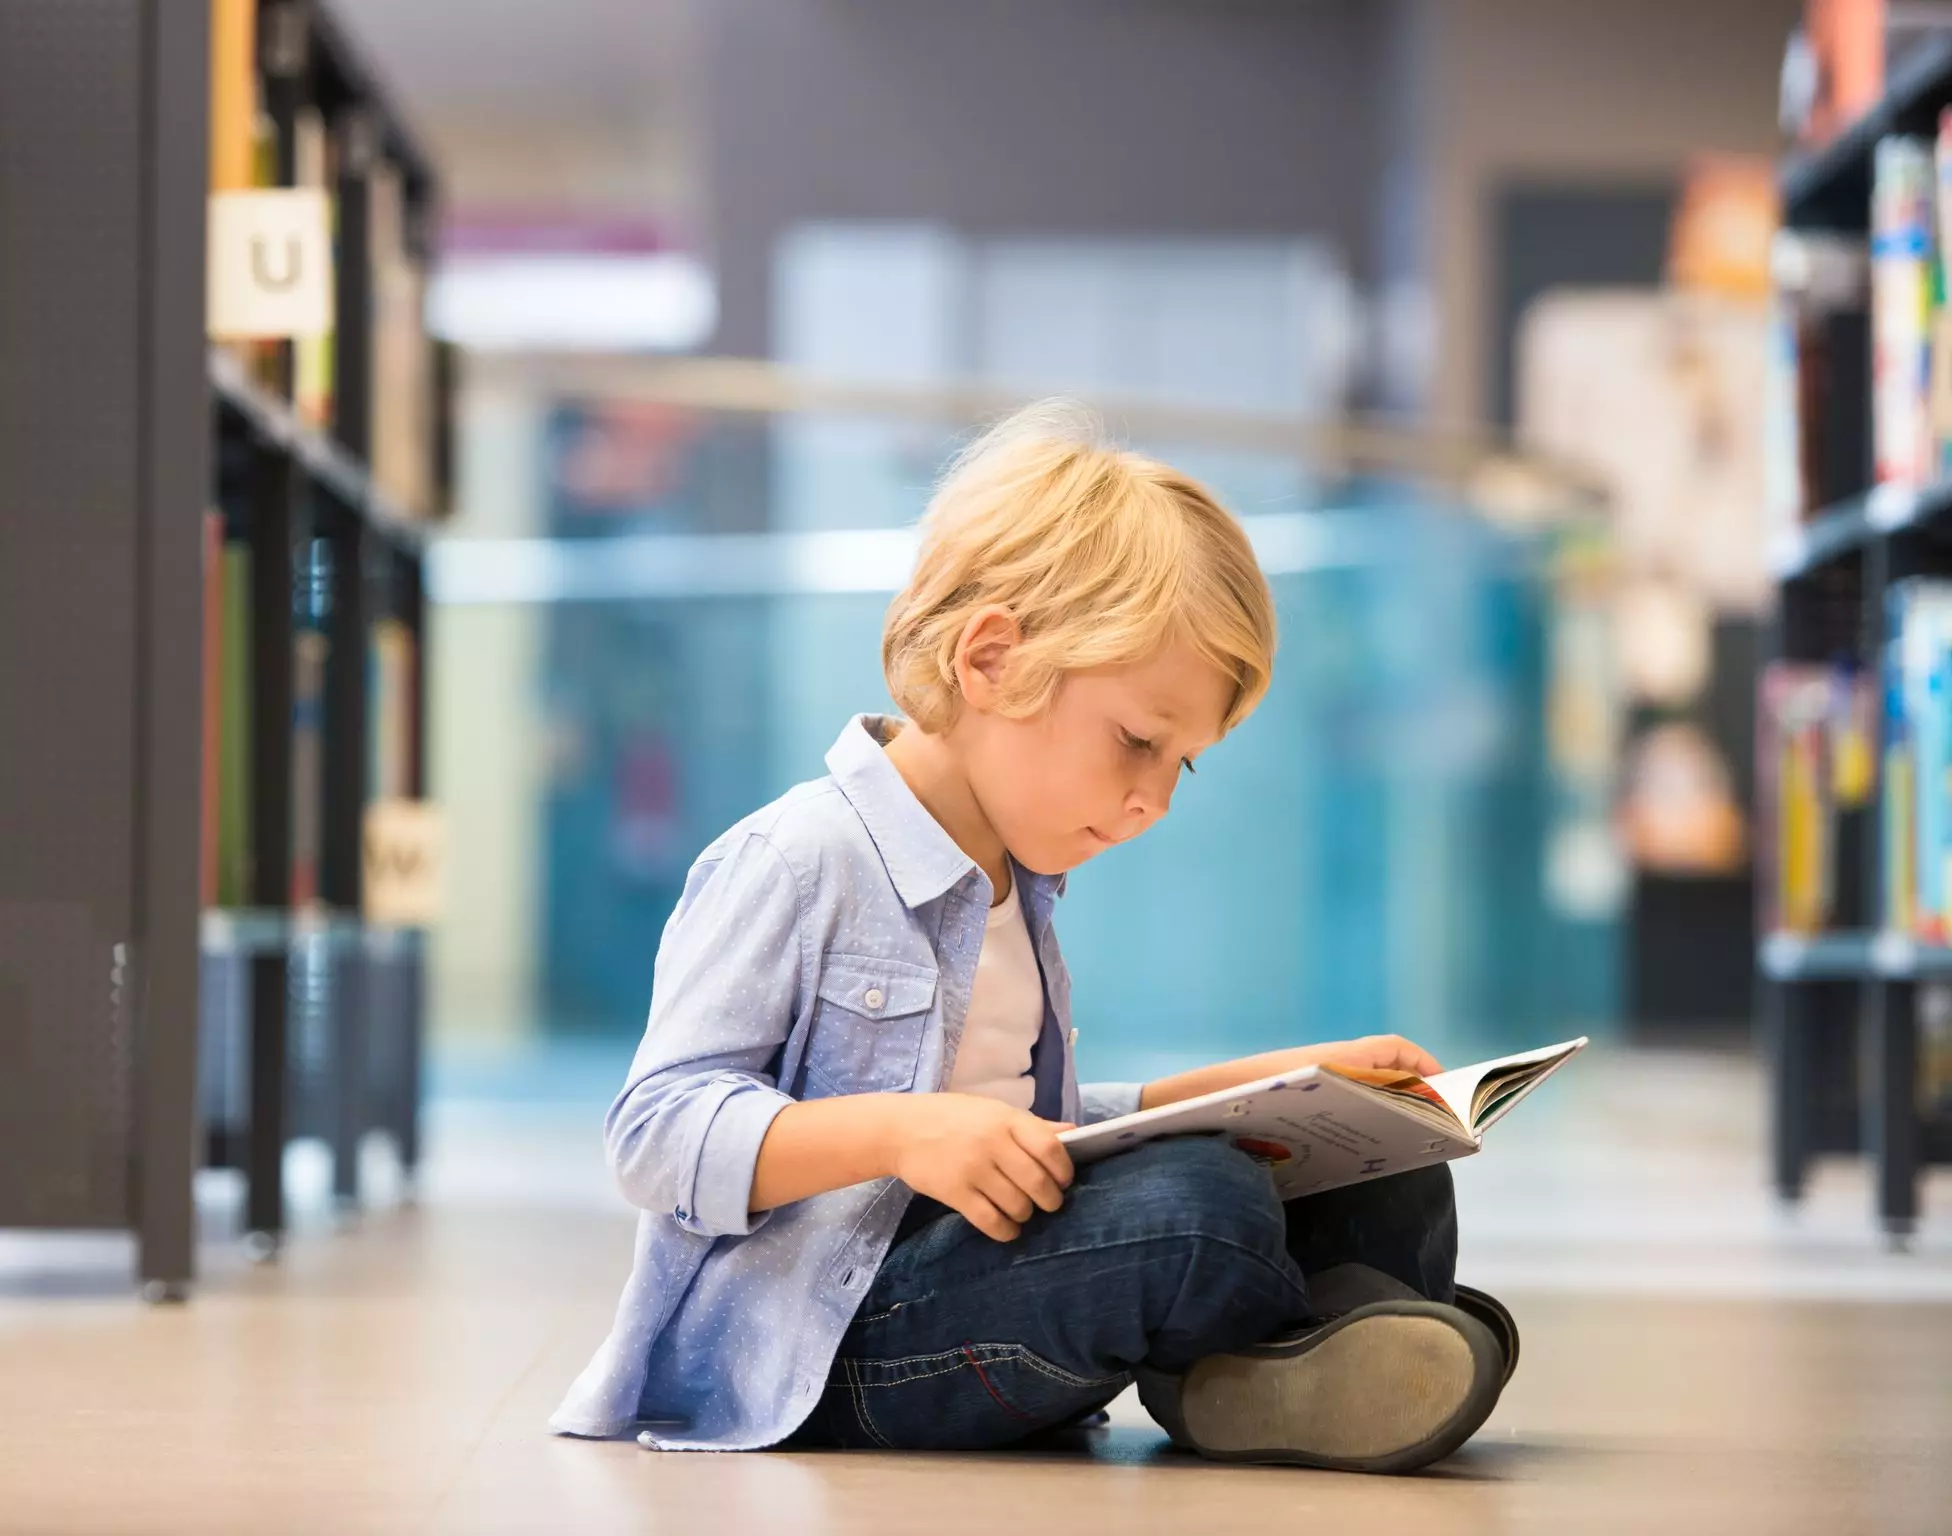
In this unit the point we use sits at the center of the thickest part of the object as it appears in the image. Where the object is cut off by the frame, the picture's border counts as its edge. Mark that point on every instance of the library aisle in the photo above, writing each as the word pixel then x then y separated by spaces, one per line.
pixel 1694 1362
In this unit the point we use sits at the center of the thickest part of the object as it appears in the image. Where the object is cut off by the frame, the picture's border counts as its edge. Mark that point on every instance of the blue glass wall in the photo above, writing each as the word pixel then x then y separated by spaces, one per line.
pixel 1365 854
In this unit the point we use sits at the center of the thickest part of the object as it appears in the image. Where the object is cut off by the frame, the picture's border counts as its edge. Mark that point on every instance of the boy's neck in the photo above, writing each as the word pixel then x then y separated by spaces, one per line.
pixel 929 768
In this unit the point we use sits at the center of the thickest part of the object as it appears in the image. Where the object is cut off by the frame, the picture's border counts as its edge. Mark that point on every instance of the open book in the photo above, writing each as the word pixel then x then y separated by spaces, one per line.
pixel 1321 1127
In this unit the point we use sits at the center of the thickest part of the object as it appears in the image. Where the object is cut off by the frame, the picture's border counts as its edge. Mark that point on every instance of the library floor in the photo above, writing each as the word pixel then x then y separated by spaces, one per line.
pixel 1695 1360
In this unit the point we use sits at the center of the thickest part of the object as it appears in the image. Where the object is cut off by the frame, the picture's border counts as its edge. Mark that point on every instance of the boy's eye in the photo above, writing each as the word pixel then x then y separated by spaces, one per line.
pixel 1149 748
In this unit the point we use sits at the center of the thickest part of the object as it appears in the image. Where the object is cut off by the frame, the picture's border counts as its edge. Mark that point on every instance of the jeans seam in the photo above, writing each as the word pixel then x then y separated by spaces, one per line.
pixel 969 1353
pixel 954 1365
pixel 1057 1373
pixel 952 1360
pixel 890 1310
pixel 861 1409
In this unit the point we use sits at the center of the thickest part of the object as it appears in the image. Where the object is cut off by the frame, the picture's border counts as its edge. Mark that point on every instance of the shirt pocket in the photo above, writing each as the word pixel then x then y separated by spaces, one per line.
pixel 868 1023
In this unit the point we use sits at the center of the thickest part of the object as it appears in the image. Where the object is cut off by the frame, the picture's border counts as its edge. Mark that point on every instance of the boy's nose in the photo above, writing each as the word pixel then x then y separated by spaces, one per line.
pixel 1148 802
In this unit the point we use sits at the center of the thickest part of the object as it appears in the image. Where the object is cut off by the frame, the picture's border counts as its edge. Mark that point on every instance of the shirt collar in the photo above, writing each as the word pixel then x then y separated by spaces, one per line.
pixel 922 860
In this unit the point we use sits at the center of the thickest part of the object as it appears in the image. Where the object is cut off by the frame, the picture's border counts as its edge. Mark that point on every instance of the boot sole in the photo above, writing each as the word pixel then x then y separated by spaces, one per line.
pixel 1496 1316
pixel 1387 1388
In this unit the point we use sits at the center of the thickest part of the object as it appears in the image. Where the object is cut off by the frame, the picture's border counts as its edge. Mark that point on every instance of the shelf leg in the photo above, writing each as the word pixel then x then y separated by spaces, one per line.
pixel 349 1069
pixel 412 1052
pixel 264 1148
pixel 1786 1021
pixel 1891 1108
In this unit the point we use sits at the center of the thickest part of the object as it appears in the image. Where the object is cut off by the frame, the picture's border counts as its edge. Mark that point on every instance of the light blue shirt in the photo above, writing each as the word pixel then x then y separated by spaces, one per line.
pixel 825 945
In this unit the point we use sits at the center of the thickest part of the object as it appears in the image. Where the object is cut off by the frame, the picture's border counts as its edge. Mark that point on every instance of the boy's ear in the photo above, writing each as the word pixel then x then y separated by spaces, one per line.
pixel 983 653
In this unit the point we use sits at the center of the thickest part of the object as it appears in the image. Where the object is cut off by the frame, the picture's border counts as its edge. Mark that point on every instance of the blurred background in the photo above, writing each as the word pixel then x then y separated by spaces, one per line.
pixel 1443 216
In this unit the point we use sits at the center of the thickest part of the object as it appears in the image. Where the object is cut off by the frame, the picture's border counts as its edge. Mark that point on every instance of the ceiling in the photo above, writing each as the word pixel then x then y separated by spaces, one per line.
pixel 569 105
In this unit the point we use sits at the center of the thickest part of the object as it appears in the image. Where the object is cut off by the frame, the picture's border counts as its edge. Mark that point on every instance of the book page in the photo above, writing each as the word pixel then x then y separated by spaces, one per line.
pixel 1483 1094
pixel 1407 1090
pixel 1312 1129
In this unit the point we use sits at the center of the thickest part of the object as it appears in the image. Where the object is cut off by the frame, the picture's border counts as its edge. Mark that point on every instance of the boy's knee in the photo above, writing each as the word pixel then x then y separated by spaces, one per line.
pixel 1423 1197
pixel 1216 1273
pixel 1200 1188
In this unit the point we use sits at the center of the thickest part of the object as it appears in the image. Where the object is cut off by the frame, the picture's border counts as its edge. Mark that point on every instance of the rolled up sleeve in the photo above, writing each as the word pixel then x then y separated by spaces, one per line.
pixel 1107 1101
pixel 684 1135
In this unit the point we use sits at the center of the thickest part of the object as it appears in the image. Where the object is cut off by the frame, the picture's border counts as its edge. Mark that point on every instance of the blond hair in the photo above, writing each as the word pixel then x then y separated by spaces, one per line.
pixel 1102 556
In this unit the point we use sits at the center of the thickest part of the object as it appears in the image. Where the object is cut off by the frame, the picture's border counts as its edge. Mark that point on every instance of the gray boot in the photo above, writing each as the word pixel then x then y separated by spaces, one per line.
pixel 1391 1385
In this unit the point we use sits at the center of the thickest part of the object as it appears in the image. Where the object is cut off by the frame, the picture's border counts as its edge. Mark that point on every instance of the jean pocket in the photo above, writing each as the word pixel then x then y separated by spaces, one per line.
pixel 869 1020
pixel 965 1399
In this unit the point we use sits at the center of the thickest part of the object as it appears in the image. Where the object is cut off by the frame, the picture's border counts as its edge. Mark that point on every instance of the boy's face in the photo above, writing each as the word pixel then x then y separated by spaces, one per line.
pixel 1100 764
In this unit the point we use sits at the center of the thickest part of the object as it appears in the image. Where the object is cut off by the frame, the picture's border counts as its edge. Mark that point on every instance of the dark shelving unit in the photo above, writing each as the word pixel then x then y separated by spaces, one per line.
pixel 1839 1009
pixel 119 426
pixel 1845 528
pixel 104 469
pixel 323 1060
pixel 1830 188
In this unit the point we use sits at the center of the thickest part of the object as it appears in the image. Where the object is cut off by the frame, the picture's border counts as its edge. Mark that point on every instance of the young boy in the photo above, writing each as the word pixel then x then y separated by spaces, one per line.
pixel 842 1125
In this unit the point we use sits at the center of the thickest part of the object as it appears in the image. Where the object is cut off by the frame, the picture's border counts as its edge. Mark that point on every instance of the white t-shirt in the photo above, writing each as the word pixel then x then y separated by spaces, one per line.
pixel 1006 1012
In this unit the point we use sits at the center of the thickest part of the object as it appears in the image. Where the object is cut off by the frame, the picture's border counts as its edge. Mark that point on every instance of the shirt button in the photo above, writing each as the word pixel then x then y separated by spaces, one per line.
pixel 875 997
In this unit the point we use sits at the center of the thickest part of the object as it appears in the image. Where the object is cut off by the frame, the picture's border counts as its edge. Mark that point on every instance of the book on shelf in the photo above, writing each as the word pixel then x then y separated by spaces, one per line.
pixel 234 872
pixel 1319 1128
pixel 315 164
pixel 1821 288
pixel 401 432
pixel 234 119
pixel 233 94
pixel 1904 256
pixel 264 123
pixel 1916 840
pixel 1829 738
pixel 311 653
pixel 1818 308
pixel 390 694
pixel 1815 764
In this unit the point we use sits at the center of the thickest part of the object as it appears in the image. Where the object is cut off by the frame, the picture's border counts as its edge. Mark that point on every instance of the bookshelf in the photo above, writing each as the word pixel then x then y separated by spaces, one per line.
pixel 210 616
pixel 1830 187
pixel 1843 993
pixel 1844 528
pixel 316 484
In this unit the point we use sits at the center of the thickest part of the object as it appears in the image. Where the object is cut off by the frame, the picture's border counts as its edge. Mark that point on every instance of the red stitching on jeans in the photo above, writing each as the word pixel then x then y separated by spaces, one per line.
pixel 969 1354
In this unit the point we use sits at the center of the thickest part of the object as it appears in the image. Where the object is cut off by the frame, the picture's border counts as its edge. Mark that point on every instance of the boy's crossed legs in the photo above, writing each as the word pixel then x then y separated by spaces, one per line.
pixel 1167 1256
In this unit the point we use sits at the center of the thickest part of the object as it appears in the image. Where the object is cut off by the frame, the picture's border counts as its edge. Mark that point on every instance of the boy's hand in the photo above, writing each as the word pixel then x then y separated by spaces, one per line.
pixel 1385 1053
pixel 993 1164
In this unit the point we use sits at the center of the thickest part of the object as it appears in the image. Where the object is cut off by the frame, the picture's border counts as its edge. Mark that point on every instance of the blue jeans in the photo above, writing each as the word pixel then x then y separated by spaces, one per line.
pixel 1159 1256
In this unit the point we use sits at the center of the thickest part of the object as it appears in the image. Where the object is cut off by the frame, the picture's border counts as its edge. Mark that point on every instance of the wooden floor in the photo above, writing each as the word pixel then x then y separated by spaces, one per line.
pixel 1693 1362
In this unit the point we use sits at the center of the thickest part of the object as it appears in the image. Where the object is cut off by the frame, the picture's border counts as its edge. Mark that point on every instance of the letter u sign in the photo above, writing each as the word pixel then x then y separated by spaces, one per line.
pixel 277 267
pixel 270 264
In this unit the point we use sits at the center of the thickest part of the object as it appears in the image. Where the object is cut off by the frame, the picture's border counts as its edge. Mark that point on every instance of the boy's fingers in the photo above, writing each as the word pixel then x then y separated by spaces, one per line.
pixel 982 1214
pixel 1409 1056
pixel 1005 1194
pixel 1423 1062
pixel 1030 1176
pixel 1039 1139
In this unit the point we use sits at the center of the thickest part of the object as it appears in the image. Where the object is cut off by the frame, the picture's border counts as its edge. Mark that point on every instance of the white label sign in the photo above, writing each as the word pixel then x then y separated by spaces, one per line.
pixel 270 264
pixel 403 849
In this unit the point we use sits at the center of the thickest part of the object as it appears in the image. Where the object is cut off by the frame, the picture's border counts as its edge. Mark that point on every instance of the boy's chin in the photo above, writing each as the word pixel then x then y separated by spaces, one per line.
pixel 1054 860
